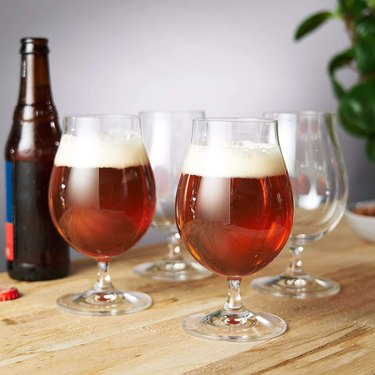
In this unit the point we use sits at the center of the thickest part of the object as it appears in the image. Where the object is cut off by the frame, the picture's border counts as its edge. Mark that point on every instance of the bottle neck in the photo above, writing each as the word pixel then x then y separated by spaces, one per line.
pixel 35 83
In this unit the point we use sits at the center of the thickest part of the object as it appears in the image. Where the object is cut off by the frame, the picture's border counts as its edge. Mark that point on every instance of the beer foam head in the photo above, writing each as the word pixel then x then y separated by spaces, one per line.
pixel 241 161
pixel 109 151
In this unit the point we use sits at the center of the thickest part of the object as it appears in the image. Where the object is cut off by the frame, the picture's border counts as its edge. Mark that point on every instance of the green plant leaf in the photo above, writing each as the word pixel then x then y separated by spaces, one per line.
pixel 350 127
pixel 339 61
pixel 357 109
pixel 371 3
pixel 311 23
pixel 356 106
pixel 370 149
pixel 352 8
pixel 365 54
pixel 365 26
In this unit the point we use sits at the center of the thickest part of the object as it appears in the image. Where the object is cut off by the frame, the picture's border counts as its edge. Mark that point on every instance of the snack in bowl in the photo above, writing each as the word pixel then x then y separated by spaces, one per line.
pixel 361 217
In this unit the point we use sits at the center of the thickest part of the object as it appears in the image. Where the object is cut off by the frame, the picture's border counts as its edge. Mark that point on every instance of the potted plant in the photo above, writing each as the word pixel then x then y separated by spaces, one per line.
pixel 356 104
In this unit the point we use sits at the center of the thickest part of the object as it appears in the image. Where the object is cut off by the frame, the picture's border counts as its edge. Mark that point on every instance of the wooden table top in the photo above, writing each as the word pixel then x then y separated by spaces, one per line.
pixel 324 336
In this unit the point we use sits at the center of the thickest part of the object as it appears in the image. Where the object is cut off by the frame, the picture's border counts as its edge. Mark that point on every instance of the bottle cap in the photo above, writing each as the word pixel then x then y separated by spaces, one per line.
pixel 8 292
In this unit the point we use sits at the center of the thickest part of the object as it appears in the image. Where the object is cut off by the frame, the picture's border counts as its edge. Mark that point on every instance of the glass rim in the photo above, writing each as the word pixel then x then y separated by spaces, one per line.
pixel 300 113
pixel 101 116
pixel 264 120
pixel 166 112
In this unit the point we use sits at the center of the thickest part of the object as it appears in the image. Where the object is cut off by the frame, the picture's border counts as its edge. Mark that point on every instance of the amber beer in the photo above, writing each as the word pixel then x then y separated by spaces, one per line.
pixel 104 203
pixel 234 208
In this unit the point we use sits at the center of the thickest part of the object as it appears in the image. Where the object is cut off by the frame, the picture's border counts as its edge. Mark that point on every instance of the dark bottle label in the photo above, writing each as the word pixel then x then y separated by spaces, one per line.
pixel 9 245
pixel 39 252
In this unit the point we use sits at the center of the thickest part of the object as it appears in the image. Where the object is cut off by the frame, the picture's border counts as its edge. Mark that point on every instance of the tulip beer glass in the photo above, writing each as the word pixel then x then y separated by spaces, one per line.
pixel 167 137
pixel 234 210
pixel 102 200
pixel 316 168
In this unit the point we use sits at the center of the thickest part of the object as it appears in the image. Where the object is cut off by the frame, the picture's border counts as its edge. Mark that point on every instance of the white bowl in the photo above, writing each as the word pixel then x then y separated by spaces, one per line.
pixel 363 225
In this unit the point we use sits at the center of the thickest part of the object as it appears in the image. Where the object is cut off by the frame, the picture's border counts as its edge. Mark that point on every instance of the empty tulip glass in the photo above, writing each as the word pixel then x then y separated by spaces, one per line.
pixel 318 176
pixel 167 137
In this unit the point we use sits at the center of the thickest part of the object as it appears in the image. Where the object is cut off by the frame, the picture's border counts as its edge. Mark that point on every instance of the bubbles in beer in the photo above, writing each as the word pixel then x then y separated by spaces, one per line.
pixel 241 160
pixel 120 150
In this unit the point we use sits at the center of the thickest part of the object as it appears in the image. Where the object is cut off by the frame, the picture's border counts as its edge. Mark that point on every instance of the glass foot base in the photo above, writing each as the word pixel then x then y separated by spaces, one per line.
pixel 115 302
pixel 300 287
pixel 239 327
pixel 172 270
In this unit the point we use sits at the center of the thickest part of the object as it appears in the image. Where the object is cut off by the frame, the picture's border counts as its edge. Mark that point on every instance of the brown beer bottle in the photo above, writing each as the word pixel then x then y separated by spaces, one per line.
pixel 34 249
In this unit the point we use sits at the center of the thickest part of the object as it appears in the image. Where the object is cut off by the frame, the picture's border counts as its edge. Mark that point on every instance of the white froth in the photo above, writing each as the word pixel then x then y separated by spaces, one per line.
pixel 101 152
pixel 241 161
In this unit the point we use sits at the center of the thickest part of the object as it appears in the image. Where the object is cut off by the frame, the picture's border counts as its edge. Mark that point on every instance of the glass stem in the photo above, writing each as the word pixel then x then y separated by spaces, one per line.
pixel 234 301
pixel 103 283
pixel 295 264
pixel 174 249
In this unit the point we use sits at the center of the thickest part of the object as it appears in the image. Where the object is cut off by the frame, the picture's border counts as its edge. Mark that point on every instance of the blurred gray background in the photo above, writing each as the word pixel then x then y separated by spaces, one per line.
pixel 228 57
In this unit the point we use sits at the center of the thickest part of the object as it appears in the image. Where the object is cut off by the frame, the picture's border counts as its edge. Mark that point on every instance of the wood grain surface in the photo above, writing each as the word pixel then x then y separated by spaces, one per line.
pixel 325 336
